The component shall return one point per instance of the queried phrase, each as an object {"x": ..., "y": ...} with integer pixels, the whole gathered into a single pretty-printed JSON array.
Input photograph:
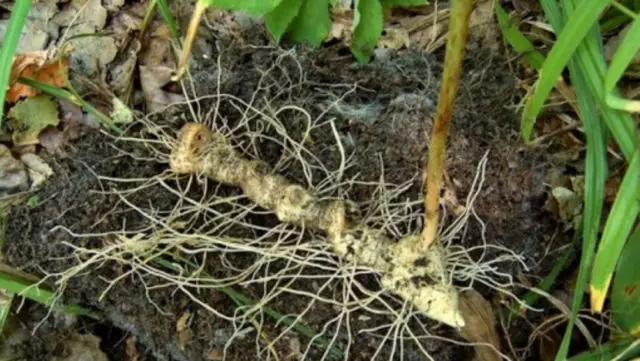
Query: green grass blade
[
  {"x": 6, "y": 299},
  {"x": 621, "y": 59},
  {"x": 41, "y": 295},
  {"x": 570, "y": 37},
  {"x": 517, "y": 40},
  {"x": 610, "y": 350},
  {"x": 595, "y": 177},
  {"x": 595, "y": 174},
  {"x": 163, "y": 8},
  {"x": 624, "y": 214},
  {"x": 253, "y": 7},
  {"x": 19, "y": 13},
  {"x": 593, "y": 66},
  {"x": 625, "y": 291},
  {"x": 590, "y": 56}
]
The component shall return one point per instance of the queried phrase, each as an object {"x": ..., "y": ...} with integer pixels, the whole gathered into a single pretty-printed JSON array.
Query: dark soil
[{"x": 385, "y": 118}]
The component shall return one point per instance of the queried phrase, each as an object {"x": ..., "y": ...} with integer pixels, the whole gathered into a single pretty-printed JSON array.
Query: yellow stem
[
  {"x": 201, "y": 6},
  {"x": 456, "y": 42}
]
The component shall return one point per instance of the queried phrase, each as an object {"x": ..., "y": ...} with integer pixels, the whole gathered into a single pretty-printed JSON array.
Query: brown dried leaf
[
  {"x": 480, "y": 327},
  {"x": 156, "y": 49},
  {"x": 51, "y": 138},
  {"x": 38, "y": 170},
  {"x": 483, "y": 27},
  {"x": 130, "y": 349},
  {"x": 548, "y": 344},
  {"x": 341, "y": 26},
  {"x": 121, "y": 71},
  {"x": 38, "y": 66},
  {"x": 12, "y": 171},
  {"x": 215, "y": 354},
  {"x": 153, "y": 79},
  {"x": 394, "y": 38},
  {"x": 182, "y": 326}
]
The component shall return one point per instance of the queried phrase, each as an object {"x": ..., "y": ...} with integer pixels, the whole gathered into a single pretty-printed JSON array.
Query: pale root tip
[{"x": 193, "y": 140}]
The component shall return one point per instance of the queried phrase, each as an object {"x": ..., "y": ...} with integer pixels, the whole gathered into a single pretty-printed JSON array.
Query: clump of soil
[{"x": 381, "y": 113}]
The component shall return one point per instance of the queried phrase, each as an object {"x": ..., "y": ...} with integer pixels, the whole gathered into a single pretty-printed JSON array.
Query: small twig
[
  {"x": 201, "y": 6},
  {"x": 456, "y": 41}
]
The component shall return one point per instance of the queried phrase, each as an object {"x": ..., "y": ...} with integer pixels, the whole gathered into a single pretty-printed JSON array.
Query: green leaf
[
  {"x": 279, "y": 19},
  {"x": 254, "y": 7},
  {"x": 596, "y": 165},
  {"x": 72, "y": 96},
  {"x": 624, "y": 214},
  {"x": 19, "y": 13},
  {"x": 312, "y": 24},
  {"x": 6, "y": 298},
  {"x": 625, "y": 291},
  {"x": 517, "y": 40},
  {"x": 591, "y": 64},
  {"x": 570, "y": 37},
  {"x": 403, "y": 3},
  {"x": 30, "y": 117},
  {"x": 610, "y": 351},
  {"x": 165, "y": 11},
  {"x": 368, "y": 22},
  {"x": 37, "y": 293},
  {"x": 623, "y": 56},
  {"x": 33, "y": 201}
]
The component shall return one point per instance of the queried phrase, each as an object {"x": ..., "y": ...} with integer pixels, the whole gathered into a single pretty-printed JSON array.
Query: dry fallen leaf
[
  {"x": 121, "y": 71},
  {"x": 130, "y": 349},
  {"x": 51, "y": 139},
  {"x": 12, "y": 172},
  {"x": 38, "y": 170},
  {"x": 38, "y": 66},
  {"x": 611, "y": 189},
  {"x": 480, "y": 327},
  {"x": 483, "y": 27},
  {"x": 215, "y": 355},
  {"x": 38, "y": 31},
  {"x": 81, "y": 348},
  {"x": 29, "y": 117},
  {"x": 182, "y": 326},
  {"x": 569, "y": 206},
  {"x": 548, "y": 344},
  {"x": 94, "y": 51},
  {"x": 394, "y": 38},
  {"x": 341, "y": 25},
  {"x": 153, "y": 79},
  {"x": 156, "y": 50}
]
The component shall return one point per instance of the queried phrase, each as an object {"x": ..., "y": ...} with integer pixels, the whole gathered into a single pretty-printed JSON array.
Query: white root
[{"x": 420, "y": 278}]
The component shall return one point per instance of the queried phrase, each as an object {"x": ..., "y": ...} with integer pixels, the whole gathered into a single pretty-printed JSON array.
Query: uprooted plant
[
  {"x": 414, "y": 266},
  {"x": 320, "y": 238}
]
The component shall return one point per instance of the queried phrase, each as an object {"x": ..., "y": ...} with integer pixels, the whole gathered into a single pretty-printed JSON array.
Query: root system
[
  {"x": 278, "y": 220},
  {"x": 419, "y": 277}
]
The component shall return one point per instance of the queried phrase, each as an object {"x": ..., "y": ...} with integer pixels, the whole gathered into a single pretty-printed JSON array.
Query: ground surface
[{"x": 379, "y": 112}]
